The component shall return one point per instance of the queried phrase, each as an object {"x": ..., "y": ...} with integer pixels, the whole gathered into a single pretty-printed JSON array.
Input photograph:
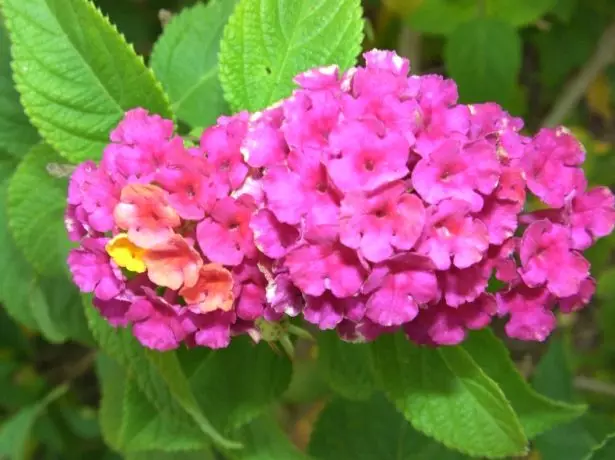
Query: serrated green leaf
[
  {"x": 442, "y": 17},
  {"x": 267, "y": 42},
  {"x": 185, "y": 60},
  {"x": 346, "y": 367},
  {"x": 218, "y": 380},
  {"x": 605, "y": 451},
  {"x": 56, "y": 305},
  {"x": 15, "y": 432},
  {"x": 36, "y": 203},
  {"x": 111, "y": 377},
  {"x": 372, "y": 429},
  {"x": 159, "y": 376},
  {"x": 445, "y": 395},
  {"x": 16, "y": 272},
  {"x": 263, "y": 439},
  {"x": 484, "y": 57},
  {"x": 536, "y": 413},
  {"x": 130, "y": 423},
  {"x": 144, "y": 427},
  {"x": 17, "y": 135},
  {"x": 553, "y": 378},
  {"x": 76, "y": 74}
]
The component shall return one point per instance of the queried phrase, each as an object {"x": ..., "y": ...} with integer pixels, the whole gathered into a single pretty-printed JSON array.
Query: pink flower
[
  {"x": 272, "y": 238},
  {"x": 212, "y": 330},
  {"x": 221, "y": 144},
  {"x": 225, "y": 236},
  {"x": 551, "y": 165},
  {"x": 442, "y": 325},
  {"x": 139, "y": 127},
  {"x": 592, "y": 216},
  {"x": 314, "y": 268},
  {"x": 501, "y": 210},
  {"x": 398, "y": 289},
  {"x": 579, "y": 300},
  {"x": 463, "y": 286},
  {"x": 458, "y": 171},
  {"x": 191, "y": 192},
  {"x": 292, "y": 195},
  {"x": 93, "y": 271},
  {"x": 173, "y": 263},
  {"x": 156, "y": 324},
  {"x": 453, "y": 233},
  {"x": 264, "y": 144},
  {"x": 283, "y": 296},
  {"x": 94, "y": 196},
  {"x": 144, "y": 211},
  {"x": 547, "y": 258},
  {"x": 378, "y": 223},
  {"x": 328, "y": 311},
  {"x": 364, "y": 158},
  {"x": 530, "y": 312}
]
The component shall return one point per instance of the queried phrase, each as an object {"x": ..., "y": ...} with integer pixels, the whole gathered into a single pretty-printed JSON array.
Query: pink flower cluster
[{"x": 367, "y": 202}]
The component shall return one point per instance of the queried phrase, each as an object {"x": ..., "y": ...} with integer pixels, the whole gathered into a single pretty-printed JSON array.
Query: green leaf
[
  {"x": 17, "y": 135},
  {"x": 442, "y": 17},
  {"x": 76, "y": 74},
  {"x": 346, "y": 367},
  {"x": 36, "y": 203},
  {"x": 15, "y": 432},
  {"x": 263, "y": 439},
  {"x": 372, "y": 429},
  {"x": 16, "y": 272},
  {"x": 267, "y": 42},
  {"x": 553, "y": 378},
  {"x": 144, "y": 427},
  {"x": 605, "y": 451},
  {"x": 536, "y": 413},
  {"x": 185, "y": 455},
  {"x": 218, "y": 380},
  {"x": 484, "y": 57},
  {"x": 129, "y": 422},
  {"x": 159, "y": 376},
  {"x": 564, "y": 9},
  {"x": 185, "y": 59},
  {"x": 446, "y": 395},
  {"x": 56, "y": 305}
]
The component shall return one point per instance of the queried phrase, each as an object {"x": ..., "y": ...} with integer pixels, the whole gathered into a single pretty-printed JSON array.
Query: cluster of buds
[{"x": 367, "y": 202}]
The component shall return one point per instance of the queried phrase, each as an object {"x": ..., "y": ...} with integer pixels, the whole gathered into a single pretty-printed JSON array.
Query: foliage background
[{"x": 549, "y": 61}]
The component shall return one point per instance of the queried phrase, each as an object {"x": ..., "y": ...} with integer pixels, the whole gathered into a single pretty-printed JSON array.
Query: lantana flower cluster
[{"x": 367, "y": 202}]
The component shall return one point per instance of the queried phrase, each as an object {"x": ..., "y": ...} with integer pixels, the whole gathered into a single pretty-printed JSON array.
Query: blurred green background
[{"x": 549, "y": 61}]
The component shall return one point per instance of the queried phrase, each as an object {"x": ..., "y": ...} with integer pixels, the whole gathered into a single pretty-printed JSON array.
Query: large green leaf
[
  {"x": 17, "y": 135},
  {"x": 372, "y": 429},
  {"x": 15, "y": 432},
  {"x": 267, "y": 42},
  {"x": 158, "y": 375},
  {"x": 36, "y": 204},
  {"x": 218, "y": 380},
  {"x": 484, "y": 57},
  {"x": 553, "y": 378},
  {"x": 17, "y": 275},
  {"x": 444, "y": 16},
  {"x": 605, "y": 451},
  {"x": 536, "y": 413},
  {"x": 346, "y": 366},
  {"x": 263, "y": 439},
  {"x": 446, "y": 395},
  {"x": 129, "y": 422},
  {"x": 76, "y": 74},
  {"x": 185, "y": 59},
  {"x": 185, "y": 455}
]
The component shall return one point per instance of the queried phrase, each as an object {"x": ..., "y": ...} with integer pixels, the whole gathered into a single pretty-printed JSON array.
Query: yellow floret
[{"x": 125, "y": 253}]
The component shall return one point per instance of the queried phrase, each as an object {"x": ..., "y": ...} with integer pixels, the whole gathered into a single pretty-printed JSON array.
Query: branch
[
  {"x": 409, "y": 45},
  {"x": 604, "y": 54},
  {"x": 594, "y": 386}
]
